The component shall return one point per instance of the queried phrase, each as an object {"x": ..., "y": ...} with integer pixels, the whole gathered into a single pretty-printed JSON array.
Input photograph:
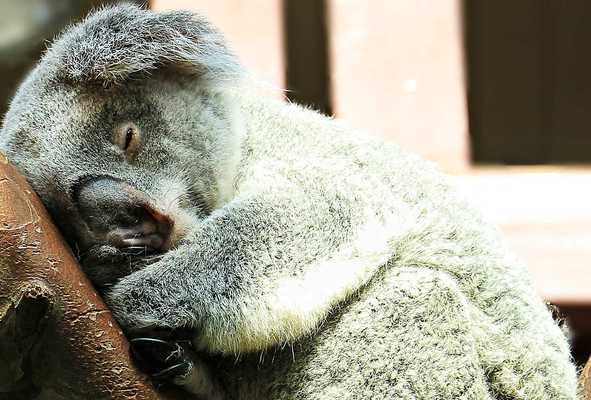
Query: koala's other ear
[{"x": 116, "y": 42}]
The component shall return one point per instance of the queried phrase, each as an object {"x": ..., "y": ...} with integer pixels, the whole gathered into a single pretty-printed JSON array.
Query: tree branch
[
  {"x": 57, "y": 337},
  {"x": 585, "y": 382}
]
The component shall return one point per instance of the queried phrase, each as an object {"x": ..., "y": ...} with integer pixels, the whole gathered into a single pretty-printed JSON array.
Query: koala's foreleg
[{"x": 263, "y": 270}]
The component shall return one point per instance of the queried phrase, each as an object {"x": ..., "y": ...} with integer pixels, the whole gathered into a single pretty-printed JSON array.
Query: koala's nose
[
  {"x": 148, "y": 234},
  {"x": 122, "y": 216}
]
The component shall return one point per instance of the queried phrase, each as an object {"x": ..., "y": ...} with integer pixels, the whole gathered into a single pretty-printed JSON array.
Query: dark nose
[{"x": 122, "y": 216}]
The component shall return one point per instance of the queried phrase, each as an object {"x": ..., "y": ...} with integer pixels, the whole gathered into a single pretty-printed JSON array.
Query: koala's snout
[{"x": 122, "y": 216}]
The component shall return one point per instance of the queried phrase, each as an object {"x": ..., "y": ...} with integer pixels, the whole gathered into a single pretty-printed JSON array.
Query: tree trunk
[
  {"x": 57, "y": 338},
  {"x": 585, "y": 382}
]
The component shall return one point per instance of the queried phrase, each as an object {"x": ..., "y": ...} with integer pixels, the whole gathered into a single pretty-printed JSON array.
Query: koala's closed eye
[{"x": 128, "y": 138}]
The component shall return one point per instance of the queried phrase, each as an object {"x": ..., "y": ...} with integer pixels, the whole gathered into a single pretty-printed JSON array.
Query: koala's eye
[{"x": 127, "y": 138}]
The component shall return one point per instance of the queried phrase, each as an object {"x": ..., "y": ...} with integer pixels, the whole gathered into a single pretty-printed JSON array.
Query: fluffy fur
[
  {"x": 315, "y": 263},
  {"x": 111, "y": 46}
]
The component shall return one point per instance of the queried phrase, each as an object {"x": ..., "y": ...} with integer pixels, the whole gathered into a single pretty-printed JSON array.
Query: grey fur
[
  {"x": 316, "y": 264},
  {"x": 116, "y": 43}
]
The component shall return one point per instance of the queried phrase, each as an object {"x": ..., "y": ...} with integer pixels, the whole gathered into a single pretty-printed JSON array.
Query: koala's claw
[
  {"x": 138, "y": 251},
  {"x": 175, "y": 372},
  {"x": 161, "y": 359}
]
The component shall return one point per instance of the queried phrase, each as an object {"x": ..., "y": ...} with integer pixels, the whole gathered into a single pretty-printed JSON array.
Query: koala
[{"x": 255, "y": 249}]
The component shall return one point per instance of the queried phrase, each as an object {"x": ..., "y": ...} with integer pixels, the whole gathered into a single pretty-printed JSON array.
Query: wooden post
[{"x": 397, "y": 72}]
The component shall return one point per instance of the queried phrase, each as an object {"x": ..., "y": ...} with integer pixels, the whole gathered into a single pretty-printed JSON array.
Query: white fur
[
  {"x": 295, "y": 306},
  {"x": 171, "y": 191}
]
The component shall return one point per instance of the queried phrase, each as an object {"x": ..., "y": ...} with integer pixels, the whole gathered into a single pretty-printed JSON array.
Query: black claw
[
  {"x": 137, "y": 250},
  {"x": 161, "y": 359},
  {"x": 156, "y": 350},
  {"x": 177, "y": 370}
]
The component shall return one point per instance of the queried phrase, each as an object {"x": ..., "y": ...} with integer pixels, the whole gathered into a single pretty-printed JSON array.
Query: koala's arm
[{"x": 264, "y": 269}]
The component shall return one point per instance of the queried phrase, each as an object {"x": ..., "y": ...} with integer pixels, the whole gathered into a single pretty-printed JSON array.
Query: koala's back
[
  {"x": 431, "y": 218},
  {"x": 450, "y": 315}
]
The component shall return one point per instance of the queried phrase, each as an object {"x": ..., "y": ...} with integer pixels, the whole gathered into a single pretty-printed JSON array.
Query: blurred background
[{"x": 497, "y": 92}]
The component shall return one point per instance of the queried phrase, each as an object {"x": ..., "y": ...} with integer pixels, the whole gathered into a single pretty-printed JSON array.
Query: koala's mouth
[
  {"x": 117, "y": 214},
  {"x": 148, "y": 237}
]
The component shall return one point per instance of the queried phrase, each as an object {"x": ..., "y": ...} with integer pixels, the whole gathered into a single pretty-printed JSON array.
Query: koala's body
[{"x": 307, "y": 261}]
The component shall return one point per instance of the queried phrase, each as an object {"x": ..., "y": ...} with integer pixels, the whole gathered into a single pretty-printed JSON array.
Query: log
[{"x": 58, "y": 340}]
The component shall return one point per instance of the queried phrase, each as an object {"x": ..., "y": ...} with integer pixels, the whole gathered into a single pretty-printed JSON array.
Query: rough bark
[
  {"x": 585, "y": 382},
  {"x": 57, "y": 338}
]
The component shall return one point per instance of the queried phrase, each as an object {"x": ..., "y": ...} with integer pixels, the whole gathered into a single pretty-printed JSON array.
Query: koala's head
[{"x": 125, "y": 131}]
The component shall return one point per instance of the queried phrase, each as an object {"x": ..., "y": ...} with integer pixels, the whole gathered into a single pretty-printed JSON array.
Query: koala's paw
[{"x": 165, "y": 361}]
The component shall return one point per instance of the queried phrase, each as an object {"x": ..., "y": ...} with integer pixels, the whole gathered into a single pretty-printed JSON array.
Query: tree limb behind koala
[{"x": 57, "y": 338}]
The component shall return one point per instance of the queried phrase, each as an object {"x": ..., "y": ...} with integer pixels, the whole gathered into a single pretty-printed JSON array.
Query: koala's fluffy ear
[{"x": 116, "y": 42}]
